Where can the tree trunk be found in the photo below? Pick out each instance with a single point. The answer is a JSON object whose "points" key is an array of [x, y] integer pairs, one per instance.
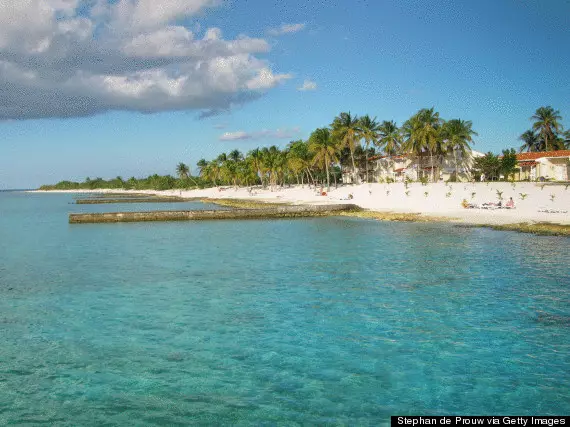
{"points": [[456, 169], [311, 176], [328, 177], [431, 161], [335, 184], [353, 165], [366, 153]]}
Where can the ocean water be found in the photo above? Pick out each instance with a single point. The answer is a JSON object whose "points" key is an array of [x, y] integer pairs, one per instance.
{"points": [[333, 321]]}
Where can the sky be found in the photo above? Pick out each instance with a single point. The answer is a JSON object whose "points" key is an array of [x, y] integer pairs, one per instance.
{"points": [[106, 88]]}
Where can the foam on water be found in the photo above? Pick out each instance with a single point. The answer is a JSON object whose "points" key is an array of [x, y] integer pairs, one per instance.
{"points": [[313, 321]]}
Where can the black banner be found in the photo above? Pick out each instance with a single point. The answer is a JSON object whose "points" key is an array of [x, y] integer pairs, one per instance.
{"points": [[497, 420]]}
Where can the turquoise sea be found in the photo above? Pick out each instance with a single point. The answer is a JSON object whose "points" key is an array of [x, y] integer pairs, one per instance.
{"points": [[333, 321]]}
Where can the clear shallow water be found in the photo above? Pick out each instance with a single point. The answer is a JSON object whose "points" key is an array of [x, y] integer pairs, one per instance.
{"points": [[274, 322]]}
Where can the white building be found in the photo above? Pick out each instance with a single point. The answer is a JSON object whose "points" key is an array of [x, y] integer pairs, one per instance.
{"points": [[415, 167]]}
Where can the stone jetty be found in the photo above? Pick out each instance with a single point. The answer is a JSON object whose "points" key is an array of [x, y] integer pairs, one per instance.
{"points": [[154, 199], [201, 215]]}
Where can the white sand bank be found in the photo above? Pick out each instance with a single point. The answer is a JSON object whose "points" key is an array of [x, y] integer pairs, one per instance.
{"points": [[443, 200]]}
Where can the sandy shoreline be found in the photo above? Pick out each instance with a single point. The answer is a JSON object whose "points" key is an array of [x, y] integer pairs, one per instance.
{"points": [[441, 200]]}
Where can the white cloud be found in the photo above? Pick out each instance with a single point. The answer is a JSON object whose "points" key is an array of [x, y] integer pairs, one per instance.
{"points": [[286, 29], [122, 55], [265, 133], [234, 136], [307, 85], [145, 14]]}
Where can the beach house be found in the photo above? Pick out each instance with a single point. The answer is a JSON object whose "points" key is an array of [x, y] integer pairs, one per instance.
{"points": [[547, 165], [416, 167]]}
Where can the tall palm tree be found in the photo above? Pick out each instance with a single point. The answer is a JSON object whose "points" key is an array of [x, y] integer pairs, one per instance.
{"points": [[271, 164], [546, 122], [202, 163], [346, 128], [531, 141], [300, 159], [370, 132], [390, 138], [324, 150], [255, 157], [422, 132], [182, 170], [235, 155], [457, 135]]}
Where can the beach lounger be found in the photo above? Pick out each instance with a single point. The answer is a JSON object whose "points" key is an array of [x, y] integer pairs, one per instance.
{"points": [[548, 210]]}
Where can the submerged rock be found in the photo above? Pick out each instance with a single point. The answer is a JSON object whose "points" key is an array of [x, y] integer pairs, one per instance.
{"points": [[553, 319]]}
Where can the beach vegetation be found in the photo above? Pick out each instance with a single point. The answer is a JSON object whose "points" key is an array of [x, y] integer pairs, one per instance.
{"points": [[354, 144], [489, 165], [369, 133], [422, 133], [547, 132], [347, 132], [457, 136], [324, 148], [508, 163]]}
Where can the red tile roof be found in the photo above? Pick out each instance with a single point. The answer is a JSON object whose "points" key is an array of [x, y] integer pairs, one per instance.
{"points": [[400, 170], [531, 163], [539, 154]]}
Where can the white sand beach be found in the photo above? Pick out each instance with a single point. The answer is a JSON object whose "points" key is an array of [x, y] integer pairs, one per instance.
{"points": [[533, 202]]}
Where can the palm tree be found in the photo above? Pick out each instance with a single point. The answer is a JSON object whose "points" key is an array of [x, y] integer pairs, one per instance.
{"points": [[235, 155], [324, 149], [202, 163], [422, 131], [546, 122], [299, 159], [182, 170], [390, 138], [271, 164], [531, 141], [255, 157], [346, 128], [228, 171], [370, 132], [458, 134]]}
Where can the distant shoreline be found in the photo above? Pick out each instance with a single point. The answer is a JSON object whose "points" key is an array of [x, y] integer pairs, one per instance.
{"points": [[396, 201]]}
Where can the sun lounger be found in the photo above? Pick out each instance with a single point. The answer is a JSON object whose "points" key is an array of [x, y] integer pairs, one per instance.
{"points": [[548, 210]]}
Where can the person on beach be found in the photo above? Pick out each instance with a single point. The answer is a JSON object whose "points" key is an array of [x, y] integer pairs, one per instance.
{"points": [[510, 204]]}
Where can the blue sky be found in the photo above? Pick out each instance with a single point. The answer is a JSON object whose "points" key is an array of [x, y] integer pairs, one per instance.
{"points": [[98, 88]]}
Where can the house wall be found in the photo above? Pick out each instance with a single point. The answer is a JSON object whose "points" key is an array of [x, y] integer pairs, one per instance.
{"points": [[415, 167], [557, 169]]}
